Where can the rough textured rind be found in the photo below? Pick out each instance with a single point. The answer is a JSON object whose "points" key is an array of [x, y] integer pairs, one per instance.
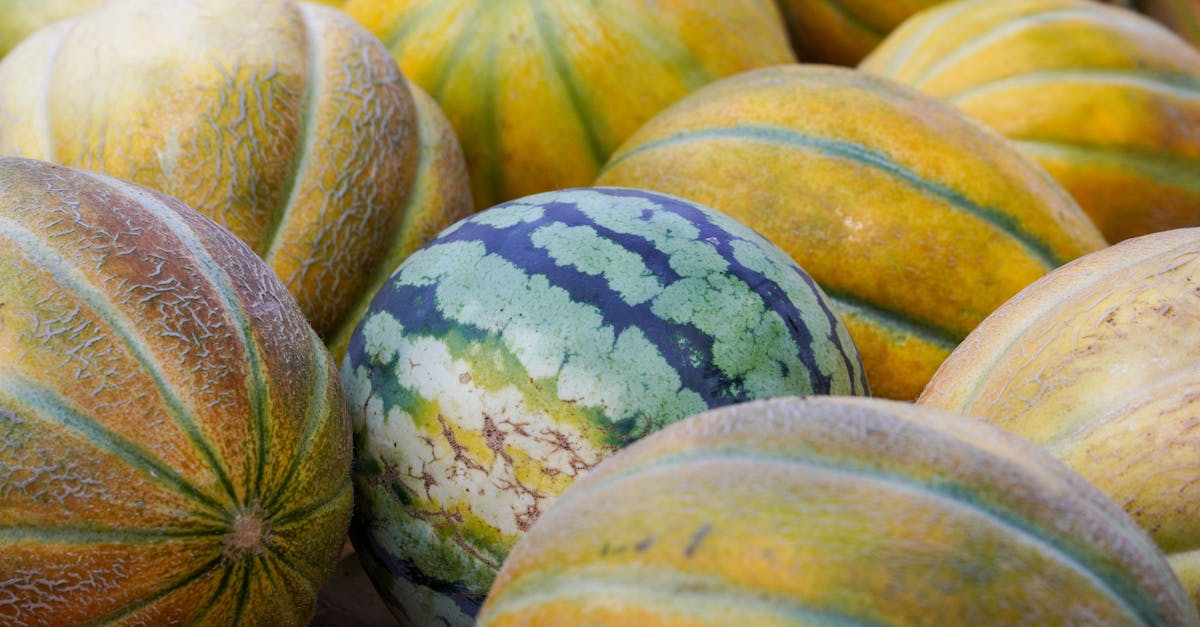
{"points": [[916, 220], [523, 345], [1097, 362], [540, 92], [834, 511], [1107, 100], [287, 123], [842, 32], [174, 441]]}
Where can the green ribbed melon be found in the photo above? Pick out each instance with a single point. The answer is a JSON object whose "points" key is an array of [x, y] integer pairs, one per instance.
{"points": [[523, 345], [915, 219], [834, 511]]}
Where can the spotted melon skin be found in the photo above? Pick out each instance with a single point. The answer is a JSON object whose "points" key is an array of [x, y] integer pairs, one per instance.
{"points": [[834, 511], [525, 344], [1097, 363], [174, 440]]}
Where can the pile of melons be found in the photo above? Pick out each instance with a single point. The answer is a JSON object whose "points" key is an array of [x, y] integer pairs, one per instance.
{"points": [[790, 312]]}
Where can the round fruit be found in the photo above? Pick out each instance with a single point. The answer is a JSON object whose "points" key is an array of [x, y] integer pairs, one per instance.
{"points": [[915, 219], [1107, 100], [844, 31], [540, 93], [1099, 363], [287, 123], [526, 343], [174, 443], [834, 511]]}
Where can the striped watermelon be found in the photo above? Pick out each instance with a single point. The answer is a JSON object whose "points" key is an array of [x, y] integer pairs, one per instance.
{"points": [[174, 442], [914, 218], [834, 511], [1105, 99], [528, 342], [541, 92]]}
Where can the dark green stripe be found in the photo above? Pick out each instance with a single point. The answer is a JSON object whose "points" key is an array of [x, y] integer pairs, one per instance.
{"points": [[687, 594], [1015, 24], [1161, 166], [862, 155], [275, 497], [586, 115], [855, 19], [210, 603], [162, 593], [51, 533], [50, 407], [268, 242], [407, 22], [244, 568], [283, 562], [1183, 86], [222, 283], [308, 513], [896, 321], [40, 254], [1122, 590]]}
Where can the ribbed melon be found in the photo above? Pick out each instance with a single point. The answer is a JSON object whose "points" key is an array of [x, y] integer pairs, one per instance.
{"points": [[916, 220], [834, 511], [528, 342], [844, 31], [287, 123], [1107, 100], [541, 92], [1099, 363], [174, 442]]}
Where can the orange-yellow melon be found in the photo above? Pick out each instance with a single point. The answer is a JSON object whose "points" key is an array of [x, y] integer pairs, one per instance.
{"points": [[916, 220], [174, 441], [1106, 99], [831, 510], [540, 93]]}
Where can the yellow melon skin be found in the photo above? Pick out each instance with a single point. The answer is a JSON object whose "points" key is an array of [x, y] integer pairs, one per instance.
{"points": [[20, 18], [916, 220], [540, 93], [1099, 363], [834, 510], [286, 122], [1106, 99], [174, 440], [842, 32]]}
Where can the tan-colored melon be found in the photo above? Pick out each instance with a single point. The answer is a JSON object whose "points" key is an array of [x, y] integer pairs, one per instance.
{"points": [[1099, 363], [286, 122]]}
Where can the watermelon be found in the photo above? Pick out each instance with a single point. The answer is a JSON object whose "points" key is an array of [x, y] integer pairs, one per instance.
{"points": [[526, 343], [174, 441]]}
